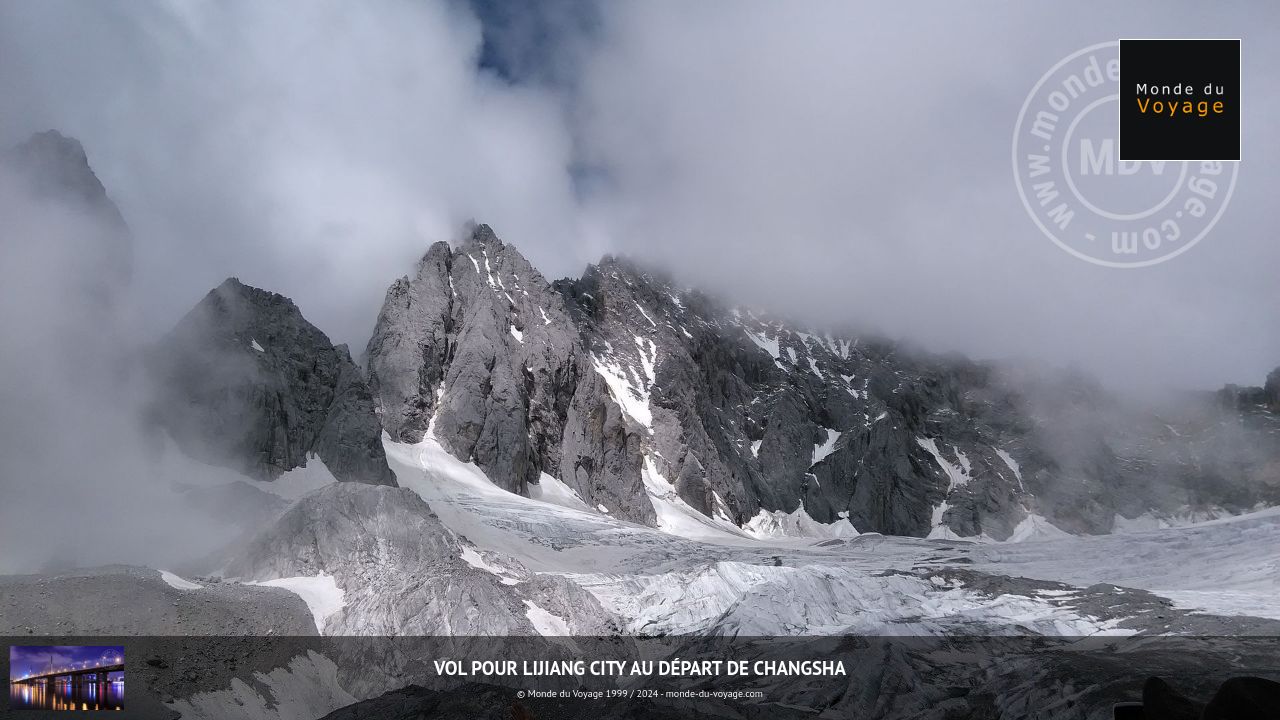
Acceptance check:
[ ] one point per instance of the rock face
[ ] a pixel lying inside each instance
(644, 398)
(244, 381)
(480, 349)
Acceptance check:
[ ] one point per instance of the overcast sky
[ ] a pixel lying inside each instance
(842, 161)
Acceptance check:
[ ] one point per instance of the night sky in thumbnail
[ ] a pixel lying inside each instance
(37, 659)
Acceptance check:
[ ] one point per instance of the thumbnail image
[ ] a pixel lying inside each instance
(66, 677)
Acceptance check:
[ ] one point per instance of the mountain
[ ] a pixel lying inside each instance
(244, 381)
(54, 170)
(654, 402)
(479, 348)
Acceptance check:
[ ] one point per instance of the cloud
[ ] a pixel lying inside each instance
(312, 148)
(836, 162)
(78, 476)
(849, 162)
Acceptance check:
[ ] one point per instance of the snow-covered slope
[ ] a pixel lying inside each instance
(1229, 566)
(720, 581)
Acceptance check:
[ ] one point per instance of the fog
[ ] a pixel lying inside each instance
(841, 163)
(81, 482)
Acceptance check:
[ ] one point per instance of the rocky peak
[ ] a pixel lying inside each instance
(479, 349)
(54, 164)
(54, 168)
(246, 382)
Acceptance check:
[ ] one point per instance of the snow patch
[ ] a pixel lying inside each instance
(943, 532)
(477, 561)
(321, 594)
(677, 517)
(551, 490)
(546, 623)
(633, 398)
(826, 448)
(300, 480)
(719, 508)
(1035, 528)
(769, 346)
(957, 475)
(176, 582)
(767, 525)
(307, 688)
(648, 358)
(519, 336)
(494, 284)
(936, 520)
(646, 315)
(1013, 465)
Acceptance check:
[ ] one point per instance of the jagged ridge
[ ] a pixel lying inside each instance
(648, 399)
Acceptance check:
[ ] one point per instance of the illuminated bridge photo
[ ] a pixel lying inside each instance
(66, 677)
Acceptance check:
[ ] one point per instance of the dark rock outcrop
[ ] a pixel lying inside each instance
(244, 381)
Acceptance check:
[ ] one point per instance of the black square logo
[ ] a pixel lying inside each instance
(1179, 99)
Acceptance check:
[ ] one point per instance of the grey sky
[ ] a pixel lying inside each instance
(841, 161)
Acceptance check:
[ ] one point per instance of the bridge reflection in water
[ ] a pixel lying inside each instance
(79, 689)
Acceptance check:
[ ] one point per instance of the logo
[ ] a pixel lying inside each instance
(1107, 211)
(1180, 99)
